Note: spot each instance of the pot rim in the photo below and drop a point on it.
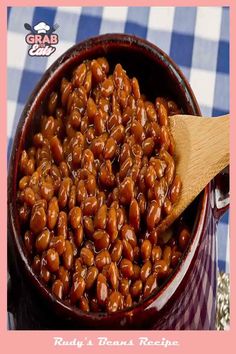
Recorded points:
(66, 60)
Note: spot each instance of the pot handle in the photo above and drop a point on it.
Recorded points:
(221, 193)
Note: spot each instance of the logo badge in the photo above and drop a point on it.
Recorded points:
(41, 39)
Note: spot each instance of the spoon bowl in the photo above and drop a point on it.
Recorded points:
(202, 151)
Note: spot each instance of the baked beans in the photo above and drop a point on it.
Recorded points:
(95, 183)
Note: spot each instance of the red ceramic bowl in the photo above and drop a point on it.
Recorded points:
(187, 299)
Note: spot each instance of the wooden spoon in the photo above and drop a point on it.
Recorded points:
(202, 151)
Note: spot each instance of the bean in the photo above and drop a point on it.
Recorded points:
(118, 75)
(110, 148)
(89, 206)
(113, 276)
(91, 109)
(125, 153)
(45, 275)
(87, 256)
(116, 251)
(63, 168)
(151, 113)
(145, 271)
(90, 184)
(79, 235)
(38, 140)
(165, 137)
(169, 172)
(102, 289)
(114, 302)
(100, 219)
(160, 191)
(160, 267)
(134, 214)
(142, 203)
(58, 243)
(135, 88)
(57, 149)
(148, 146)
(172, 107)
(48, 127)
(136, 254)
(125, 167)
(77, 290)
(153, 131)
(72, 198)
(128, 301)
(124, 286)
(136, 288)
(88, 81)
(126, 191)
(112, 224)
(175, 258)
(102, 258)
(63, 192)
(128, 250)
(23, 183)
(42, 241)
(150, 176)
(150, 285)
(63, 275)
(101, 239)
(47, 191)
(81, 192)
(84, 304)
(153, 215)
(75, 217)
(62, 224)
(97, 71)
(137, 131)
(91, 277)
(75, 118)
(67, 256)
(24, 213)
(38, 220)
(175, 189)
(128, 234)
(118, 133)
(162, 111)
(167, 206)
(104, 64)
(88, 226)
(101, 197)
(167, 255)
(52, 213)
(183, 238)
(97, 146)
(126, 268)
(52, 258)
(107, 87)
(156, 253)
(79, 75)
(146, 250)
(137, 270)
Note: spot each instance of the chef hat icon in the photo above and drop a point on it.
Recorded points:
(41, 27)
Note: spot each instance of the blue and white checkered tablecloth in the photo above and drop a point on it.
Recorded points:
(197, 39)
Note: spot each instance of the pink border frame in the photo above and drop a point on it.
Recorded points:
(38, 341)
